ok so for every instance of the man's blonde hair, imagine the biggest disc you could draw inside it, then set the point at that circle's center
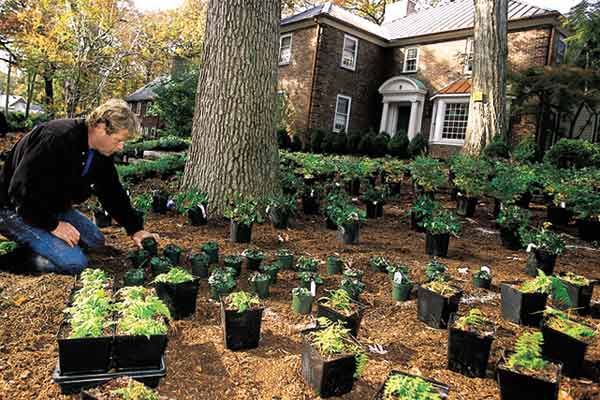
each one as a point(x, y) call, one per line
point(115, 114)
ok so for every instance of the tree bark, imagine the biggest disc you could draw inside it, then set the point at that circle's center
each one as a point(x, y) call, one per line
point(487, 118)
point(234, 146)
point(7, 86)
point(49, 89)
point(31, 77)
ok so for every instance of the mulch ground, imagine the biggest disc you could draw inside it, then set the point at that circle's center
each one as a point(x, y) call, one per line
point(200, 368)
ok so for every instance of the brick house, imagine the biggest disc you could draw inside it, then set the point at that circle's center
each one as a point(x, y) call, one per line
point(342, 72)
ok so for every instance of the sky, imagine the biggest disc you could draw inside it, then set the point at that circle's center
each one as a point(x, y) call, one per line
point(154, 5)
point(560, 5)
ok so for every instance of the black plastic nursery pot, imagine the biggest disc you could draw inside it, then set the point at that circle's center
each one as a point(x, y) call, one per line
point(371, 210)
point(524, 200)
point(434, 309)
point(138, 352)
point(200, 264)
point(510, 238)
point(349, 233)
point(134, 277)
point(441, 389)
point(465, 206)
point(334, 265)
point(241, 331)
point(497, 208)
point(522, 308)
point(437, 245)
point(330, 224)
point(159, 265)
point(198, 215)
point(159, 202)
point(149, 244)
point(173, 254)
point(279, 218)
point(286, 261)
point(414, 223)
point(401, 292)
point(468, 352)
point(213, 254)
point(180, 297)
point(395, 188)
point(236, 265)
point(302, 304)
point(83, 355)
point(353, 187)
point(102, 219)
point(580, 297)
point(310, 204)
point(240, 233)
point(379, 210)
point(559, 215)
point(588, 230)
point(540, 259)
point(328, 377)
point(561, 347)
point(481, 283)
point(352, 321)
point(138, 258)
point(515, 386)
point(253, 263)
point(261, 288)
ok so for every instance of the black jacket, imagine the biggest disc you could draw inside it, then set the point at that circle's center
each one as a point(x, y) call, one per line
point(43, 175)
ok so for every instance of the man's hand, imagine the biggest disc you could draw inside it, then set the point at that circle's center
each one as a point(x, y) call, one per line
point(67, 232)
point(141, 235)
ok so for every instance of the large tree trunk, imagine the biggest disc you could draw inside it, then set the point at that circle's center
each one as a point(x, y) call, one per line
point(234, 147)
point(31, 77)
point(487, 118)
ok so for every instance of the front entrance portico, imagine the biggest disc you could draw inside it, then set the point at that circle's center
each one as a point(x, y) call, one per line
point(399, 93)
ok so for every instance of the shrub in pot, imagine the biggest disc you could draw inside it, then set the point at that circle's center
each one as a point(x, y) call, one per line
point(254, 257)
point(395, 267)
point(178, 289)
point(211, 249)
point(512, 220)
point(142, 203)
point(436, 270)
point(280, 209)
point(427, 175)
point(272, 270)
point(422, 208)
point(572, 153)
point(302, 301)
point(285, 258)
point(339, 306)
point(374, 199)
point(543, 246)
point(469, 343)
point(194, 204)
point(259, 283)
point(173, 253)
point(511, 184)
point(159, 201)
point(398, 145)
point(333, 202)
point(353, 286)
point(200, 264)
point(403, 386)
point(221, 283)
point(556, 185)
point(134, 277)
point(470, 178)
point(233, 262)
point(497, 148)
point(418, 145)
point(241, 316)
point(334, 265)
point(393, 174)
point(348, 218)
point(482, 279)
point(243, 213)
point(150, 245)
point(402, 285)
point(160, 265)
point(311, 196)
point(585, 201)
point(306, 279)
point(436, 302)
point(379, 263)
point(331, 359)
point(439, 226)
point(138, 258)
point(579, 289)
point(566, 341)
point(525, 374)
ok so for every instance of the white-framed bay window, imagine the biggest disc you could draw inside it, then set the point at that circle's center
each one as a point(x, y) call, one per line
point(341, 120)
point(349, 52)
point(449, 122)
point(411, 59)
point(285, 49)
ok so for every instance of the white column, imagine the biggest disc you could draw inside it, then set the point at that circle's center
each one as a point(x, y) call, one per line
point(384, 117)
point(412, 124)
point(421, 107)
point(392, 119)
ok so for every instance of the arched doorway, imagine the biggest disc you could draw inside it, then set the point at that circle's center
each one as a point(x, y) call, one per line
point(403, 102)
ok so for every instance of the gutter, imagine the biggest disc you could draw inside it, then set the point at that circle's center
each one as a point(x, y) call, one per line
point(314, 73)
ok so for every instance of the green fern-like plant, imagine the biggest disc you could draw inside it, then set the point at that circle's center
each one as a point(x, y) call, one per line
point(550, 285)
point(242, 301)
point(402, 387)
point(339, 300)
point(528, 352)
point(436, 270)
point(474, 320)
point(175, 275)
point(560, 321)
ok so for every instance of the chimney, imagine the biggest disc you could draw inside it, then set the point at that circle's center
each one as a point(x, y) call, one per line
point(399, 9)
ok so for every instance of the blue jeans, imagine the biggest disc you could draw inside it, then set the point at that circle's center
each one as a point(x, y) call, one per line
point(65, 259)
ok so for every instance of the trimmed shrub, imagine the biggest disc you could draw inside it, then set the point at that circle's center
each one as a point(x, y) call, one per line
point(339, 143)
point(327, 143)
point(366, 144)
point(353, 142)
point(316, 140)
point(398, 145)
point(568, 153)
point(418, 145)
point(296, 144)
point(380, 145)
point(497, 148)
point(526, 151)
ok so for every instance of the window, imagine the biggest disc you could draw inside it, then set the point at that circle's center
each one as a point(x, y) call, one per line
point(349, 52)
point(469, 56)
point(455, 121)
point(285, 49)
point(342, 113)
point(561, 49)
point(411, 59)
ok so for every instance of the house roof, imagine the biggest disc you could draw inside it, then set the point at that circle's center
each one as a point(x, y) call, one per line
point(147, 91)
point(450, 16)
point(459, 86)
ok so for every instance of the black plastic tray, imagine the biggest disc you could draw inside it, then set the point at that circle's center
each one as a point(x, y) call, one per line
point(75, 383)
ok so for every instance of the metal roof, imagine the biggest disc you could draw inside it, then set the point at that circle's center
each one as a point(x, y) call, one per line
point(460, 86)
point(449, 16)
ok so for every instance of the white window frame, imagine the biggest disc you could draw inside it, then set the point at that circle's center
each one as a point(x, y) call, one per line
point(404, 69)
point(469, 53)
point(281, 38)
point(355, 40)
point(337, 103)
point(437, 123)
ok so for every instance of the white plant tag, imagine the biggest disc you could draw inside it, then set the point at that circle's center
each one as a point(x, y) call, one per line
point(398, 277)
point(203, 210)
point(530, 247)
point(268, 209)
point(105, 213)
point(313, 288)
point(312, 192)
point(563, 204)
point(486, 269)
point(374, 203)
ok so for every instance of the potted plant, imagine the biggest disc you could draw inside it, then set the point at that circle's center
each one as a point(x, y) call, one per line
point(402, 284)
point(347, 218)
point(194, 204)
point(85, 336)
point(436, 302)
point(259, 283)
point(579, 290)
point(160, 265)
point(339, 306)
point(525, 374)
point(566, 341)
point(512, 220)
point(178, 289)
point(272, 270)
point(585, 201)
point(482, 279)
point(544, 246)
point(422, 208)
point(353, 286)
point(279, 209)
point(331, 360)
point(102, 218)
point(243, 213)
point(524, 304)
point(212, 250)
point(436, 270)
point(427, 176)
point(234, 264)
point(220, 283)
point(241, 316)
point(469, 342)
point(353, 273)
point(403, 386)
point(334, 200)
point(159, 201)
point(173, 253)
point(143, 203)
point(334, 265)
point(470, 178)
point(200, 263)
point(138, 258)
point(302, 300)
point(379, 263)
point(306, 279)
point(254, 257)
point(310, 199)
point(149, 244)
point(439, 226)
point(133, 277)
point(141, 329)
point(511, 185)
point(285, 258)
point(374, 199)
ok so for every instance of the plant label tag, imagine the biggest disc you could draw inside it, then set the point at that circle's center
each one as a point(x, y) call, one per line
point(530, 247)
point(105, 213)
point(203, 210)
point(459, 194)
point(397, 277)
point(313, 288)
point(312, 192)
point(487, 269)
point(374, 203)
point(268, 209)
point(563, 204)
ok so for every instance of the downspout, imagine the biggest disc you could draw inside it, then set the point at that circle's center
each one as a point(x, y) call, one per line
point(314, 74)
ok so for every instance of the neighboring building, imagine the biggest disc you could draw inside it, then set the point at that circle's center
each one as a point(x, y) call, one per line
point(139, 102)
point(19, 104)
point(412, 73)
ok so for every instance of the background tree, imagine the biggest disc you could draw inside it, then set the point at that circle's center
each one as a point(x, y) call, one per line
point(234, 146)
point(487, 118)
point(583, 47)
